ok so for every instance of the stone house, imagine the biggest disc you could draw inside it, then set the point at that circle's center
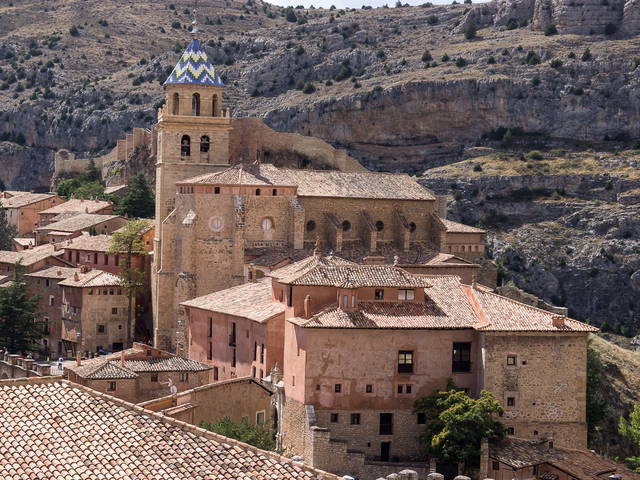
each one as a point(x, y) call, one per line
point(74, 206)
point(74, 226)
point(216, 226)
point(94, 312)
point(358, 344)
point(139, 374)
point(33, 258)
point(22, 208)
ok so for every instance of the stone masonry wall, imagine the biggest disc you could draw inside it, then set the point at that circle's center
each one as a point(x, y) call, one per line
point(548, 382)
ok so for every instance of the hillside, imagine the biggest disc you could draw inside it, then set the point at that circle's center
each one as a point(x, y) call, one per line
point(83, 91)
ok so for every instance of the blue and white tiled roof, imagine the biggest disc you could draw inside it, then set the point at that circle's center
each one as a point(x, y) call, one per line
point(194, 67)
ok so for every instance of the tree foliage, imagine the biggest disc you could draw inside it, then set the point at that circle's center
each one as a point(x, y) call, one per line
point(259, 435)
point(455, 423)
point(7, 231)
point(129, 241)
point(88, 184)
point(631, 430)
point(597, 408)
point(20, 324)
point(140, 201)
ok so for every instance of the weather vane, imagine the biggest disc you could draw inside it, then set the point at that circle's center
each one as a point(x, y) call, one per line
point(194, 29)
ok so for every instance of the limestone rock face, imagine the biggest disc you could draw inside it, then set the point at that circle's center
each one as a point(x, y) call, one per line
point(517, 9)
point(631, 17)
point(23, 168)
point(581, 17)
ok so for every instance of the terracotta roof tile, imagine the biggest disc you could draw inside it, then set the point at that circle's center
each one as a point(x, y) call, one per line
point(251, 300)
point(25, 199)
point(55, 429)
point(77, 205)
point(101, 369)
point(75, 223)
point(94, 243)
point(54, 272)
point(455, 227)
point(30, 255)
point(93, 278)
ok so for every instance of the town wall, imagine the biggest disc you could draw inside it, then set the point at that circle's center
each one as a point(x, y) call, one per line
point(548, 383)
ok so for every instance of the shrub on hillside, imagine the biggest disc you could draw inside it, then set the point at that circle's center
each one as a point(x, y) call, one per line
point(550, 30)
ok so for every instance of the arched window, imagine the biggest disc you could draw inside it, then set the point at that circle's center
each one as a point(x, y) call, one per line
point(412, 227)
point(311, 226)
point(257, 192)
point(216, 190)
point(346, 226)
point(275, 192)
point(195, 105)
point(176, 104)
point(379, 225)
point(267, 224)
point(204, 144)
point(215, 107)
point(185, 149)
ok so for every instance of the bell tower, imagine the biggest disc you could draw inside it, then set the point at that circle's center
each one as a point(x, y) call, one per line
point(193, 139)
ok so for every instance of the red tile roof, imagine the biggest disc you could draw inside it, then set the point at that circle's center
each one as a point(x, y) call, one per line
point(455, 227)
point(93, 278)
point(30, 256)
point(356, 276)
point(75, 223)
point(25, 199)
point(52, 428)
point(78, 205)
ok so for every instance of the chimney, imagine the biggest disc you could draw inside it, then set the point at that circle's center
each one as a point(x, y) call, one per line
point(122, 358)
point(59, 272)
point(178, 349)
point(78, 359)
point(109, 201)
point(126, 215)
point(30, 245)
point(97, 201)
point(82, 198)
point(307, 307)
point(252, 274)
point(558, 320)
point(75, 277)
point(86, 210)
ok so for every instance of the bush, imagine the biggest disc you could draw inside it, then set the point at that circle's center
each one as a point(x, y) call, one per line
point(432, 20)
point(291, 16)
point(535, 81)
point(175, 24)
point(571, 55)
point(460, 62)
point(309, 88)
point(477, 168)
point(470, 31)
point(532, 58)
point(426, 56)
point(445, 58)
point(610, 29)
point(229, 61)
point(299, 50)
point(535, 155)
point(255, 92)
point(555, 63)
point(74, 31)
point(578, 91)
point(491, 60)
point(608, 185)
point(300, 84)
point(586, 55)
point(381, 54)
point(457, 196)
point(550, 30)
point(512, 23)
point(136, 82)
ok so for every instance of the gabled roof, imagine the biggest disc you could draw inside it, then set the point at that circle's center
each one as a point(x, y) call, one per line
point(54, 272)
point(455, 227)
point(25, 199)
point(77, 205)
point(101, 369)
point(75, 223)
point(94, 243)
point(194, 67)
point(356, 276)
point(295, 270)
point(319, 183)
point(30, 256)
point(251, 300)
point(52, 428)
point(93, 278)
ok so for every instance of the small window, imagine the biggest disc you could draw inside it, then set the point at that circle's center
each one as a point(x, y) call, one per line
point(461, 357)
point(210, 352)
point(346, 226)
point(293, 380)
point(106, 259)
point(379, 295)
point(345, 301)
point(267, 224)
point(355, 419)
point(104, 292)
point(149, 353)
point(119, 291)
point(408, 389)
point(536, 470)
point(511, 431)
point(114, 311)
point(257, 192)
point(111, 291)
point(102, 328)
point(253, 374)
point(89, 257)
point(261, 374)
point(154, 378)
point(400, 389)
point(422, 418)
point(311, 226)
point(260, 418)
point(210, 334)
point(91, 291)
point(317, 387)
point(511, 402)
point(406, 294)
point(185, 146)
point(184, 377)
point(95, 258)
point(233, 359)
point(338, 387)
point(334, 418)
point(496, 466)
point(51, 300)
point(120, 327)
point(215, 374)
point(111, 386)
point(379, 226)
point(262, 354)
point(47, 282)
point(511, 360)
point(386, 424)
point(535, 432)
point(117, 261)
point(369, 389)
point(405, 361)
point(204, 144)
point(255, 351)
point(274, 192)
point(412, 227)
point(216, 190)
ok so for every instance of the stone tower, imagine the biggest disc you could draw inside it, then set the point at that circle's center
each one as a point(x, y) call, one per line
point(193, 139)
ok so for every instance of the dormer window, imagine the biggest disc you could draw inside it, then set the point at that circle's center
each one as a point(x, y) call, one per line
point(406, 294)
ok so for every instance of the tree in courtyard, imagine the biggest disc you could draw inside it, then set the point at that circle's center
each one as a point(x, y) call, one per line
point(259, 435)
point(455, 423)
point(7, 231)
point(631, 430)
point(20, 324)
point(597, 408)
point(129, 242)
point(140, 201)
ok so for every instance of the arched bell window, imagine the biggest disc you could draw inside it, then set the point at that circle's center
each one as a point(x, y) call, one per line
point(176, 104)
point(215, 107)
point(204, 144)
point(257, 192)
point(185, 146)
point(195, 105)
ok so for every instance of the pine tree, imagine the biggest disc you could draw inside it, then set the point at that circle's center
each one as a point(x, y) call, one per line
point(20, 327)
point(92, 173)
point(140, 201)
point(7, 230)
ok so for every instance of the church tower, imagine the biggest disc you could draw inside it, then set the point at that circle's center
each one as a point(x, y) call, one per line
point(193, 139)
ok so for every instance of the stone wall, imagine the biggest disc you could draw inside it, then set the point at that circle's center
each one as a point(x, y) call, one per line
point(519, 295)
point(14, 366)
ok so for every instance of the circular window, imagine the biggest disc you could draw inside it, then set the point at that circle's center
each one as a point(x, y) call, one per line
point(346, 226)
point(267, 224)
point(412, 227)
point(216, 224)
point(379, 225)
point(311, 226)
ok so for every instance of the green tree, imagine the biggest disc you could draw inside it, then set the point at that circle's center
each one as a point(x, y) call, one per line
point(631, 430)
point(597, 407)
point(67, 187)
point(91, 172)
point(455, 423)
point(140, 201)
point(129, 242)
point(20, 327)
point(7, 231)
point(260, 435)
point(88, 190)
point(470, 31)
